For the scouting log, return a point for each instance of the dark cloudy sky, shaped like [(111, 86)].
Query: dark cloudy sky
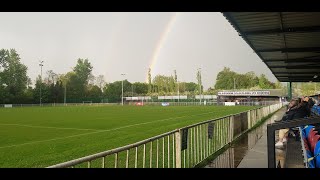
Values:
[(130, 43)]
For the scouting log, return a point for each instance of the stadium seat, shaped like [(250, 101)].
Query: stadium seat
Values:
[(311, 161), (306, 144), (317, 154), (312, 133), (303, 133), (307, 130), (313, 139)]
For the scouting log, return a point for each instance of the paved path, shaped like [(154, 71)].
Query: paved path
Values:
[(257, 156)]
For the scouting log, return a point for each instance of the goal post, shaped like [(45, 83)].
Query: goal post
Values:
[(8, 105), (87, 102)]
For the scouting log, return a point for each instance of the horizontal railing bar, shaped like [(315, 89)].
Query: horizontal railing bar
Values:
[(109, 152), (216, 119)]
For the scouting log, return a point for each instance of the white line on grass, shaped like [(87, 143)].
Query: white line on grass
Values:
[(49, 127), (107, 130)]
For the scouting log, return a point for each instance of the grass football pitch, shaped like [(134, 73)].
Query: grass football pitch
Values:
[(44, 136)]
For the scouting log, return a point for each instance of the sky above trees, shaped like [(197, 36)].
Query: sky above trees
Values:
[(130, 43)]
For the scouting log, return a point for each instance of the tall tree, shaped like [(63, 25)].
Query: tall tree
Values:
[(51, 77), (225, 79), (13, 76), (83, 70), (165, 84), (199, 80), (92, 80), (176, 80), (149, 81), (251, 79), (305, 88), (3, 94), (100, 81), (191, 86), (94, 92), (264, 83), (73, 85), (57, 92), (139, 88), (278, 85), (29, 82), (113, 93), (28, 96), (4, 58), (64, 82), (45, 91), (79, 81)]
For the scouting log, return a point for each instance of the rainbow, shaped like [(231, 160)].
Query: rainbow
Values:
[(161, 41)]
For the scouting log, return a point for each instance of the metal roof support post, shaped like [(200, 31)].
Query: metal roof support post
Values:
[(289, 90)]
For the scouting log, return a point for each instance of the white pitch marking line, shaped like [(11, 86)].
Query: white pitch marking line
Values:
[(49, 127), (107, 130)]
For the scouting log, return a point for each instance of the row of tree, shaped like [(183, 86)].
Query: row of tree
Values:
[(227, 79), (305, 89), (80, 85)]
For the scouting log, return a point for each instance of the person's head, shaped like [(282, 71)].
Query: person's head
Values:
[(293, 103)]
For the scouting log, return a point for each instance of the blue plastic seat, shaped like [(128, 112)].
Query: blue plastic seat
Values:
[(312, 140), (307, 130), (303, 133), (311, 161), (317, 154)]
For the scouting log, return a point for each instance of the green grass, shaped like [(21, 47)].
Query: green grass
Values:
[(43, 136)]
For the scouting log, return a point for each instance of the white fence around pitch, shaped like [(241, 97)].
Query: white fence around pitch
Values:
[(208, 103), (177, 103), (181, 148)]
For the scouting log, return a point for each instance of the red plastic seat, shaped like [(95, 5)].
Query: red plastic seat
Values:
[(311, 135), (313, 139), (310, 138), (306, 144)]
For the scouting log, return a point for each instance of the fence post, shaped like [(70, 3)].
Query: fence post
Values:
[(178, 148), (231, 119), (249, 118)]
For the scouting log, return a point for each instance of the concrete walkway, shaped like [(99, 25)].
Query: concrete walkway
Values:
[(257, 157)]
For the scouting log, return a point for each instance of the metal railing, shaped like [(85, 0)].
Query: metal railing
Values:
[(304, 153), (230, 157), (271, 128), (182, 148)]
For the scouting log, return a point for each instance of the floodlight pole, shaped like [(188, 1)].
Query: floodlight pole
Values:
[(178, 93), (41, 65), (65, 93), (199, 69), (122, 90)]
